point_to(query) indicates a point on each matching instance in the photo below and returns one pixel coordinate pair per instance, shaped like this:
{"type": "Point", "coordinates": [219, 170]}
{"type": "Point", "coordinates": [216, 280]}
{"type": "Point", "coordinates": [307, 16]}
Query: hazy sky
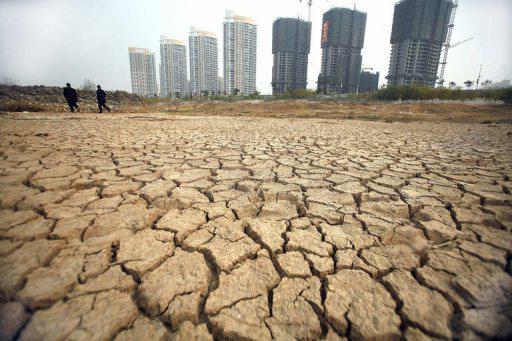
{"type": "Point", "coordinates": [52, 42]}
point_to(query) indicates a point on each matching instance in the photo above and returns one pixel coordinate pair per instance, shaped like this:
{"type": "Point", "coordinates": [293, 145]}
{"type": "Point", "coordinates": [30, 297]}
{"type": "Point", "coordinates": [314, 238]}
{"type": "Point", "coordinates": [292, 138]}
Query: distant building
{"type": "Point", "coordinates": [222, 86]}
{"type": "Point", "coordinates": [240, 37]}
{"type": "Point", "coordinates": [204, 67]}
{"type": "Point", "coordinates": [291, 39]}
{"type": "Point", "coordinates": [161, 77]}
{"type": "Point", "coordinates": [173, 77]}
{"type": "Point", "coordinates": [368, 82]}
{"type": "Point", "coordinates": [343, 32]}
{"type": "Point", "coordinates": [189, 87]}
{"type": "Point", "coordinates": [143, 71]}
{"type": "Point", "coordinates": [419, 31]}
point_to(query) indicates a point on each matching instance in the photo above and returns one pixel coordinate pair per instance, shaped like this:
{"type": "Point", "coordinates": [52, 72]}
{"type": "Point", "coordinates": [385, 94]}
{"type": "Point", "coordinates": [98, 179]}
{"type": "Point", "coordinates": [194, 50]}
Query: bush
{"type": "Point", "coordinates": [506, 96]}
{"type": "Point", "coordinates": [408, 93]}
{"type": "Point", "coordinates": [296, 94]}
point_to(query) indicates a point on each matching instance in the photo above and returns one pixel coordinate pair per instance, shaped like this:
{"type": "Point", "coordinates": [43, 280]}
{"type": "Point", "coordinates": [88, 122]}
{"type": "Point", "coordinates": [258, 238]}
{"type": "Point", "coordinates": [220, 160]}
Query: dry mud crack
{"type": "Point", "coordinates": [134, 227]}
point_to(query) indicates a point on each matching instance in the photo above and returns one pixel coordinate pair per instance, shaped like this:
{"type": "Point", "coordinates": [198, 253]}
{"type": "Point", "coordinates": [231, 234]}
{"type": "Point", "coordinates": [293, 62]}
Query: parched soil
{"type": "Point", "coordinates": [150, 226]}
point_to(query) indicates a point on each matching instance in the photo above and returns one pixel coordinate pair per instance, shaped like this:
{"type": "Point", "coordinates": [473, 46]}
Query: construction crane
{"type": "Point", "coordinates": [461, 42]}
{"type": "Point", "coordinates": [479, 76]}
{"type": "Point", "coordinates": [310, 3]}
{"type": "Point", "coordinates": [445, 56]}
{"type": "Point", "coordinates": [447, 43]}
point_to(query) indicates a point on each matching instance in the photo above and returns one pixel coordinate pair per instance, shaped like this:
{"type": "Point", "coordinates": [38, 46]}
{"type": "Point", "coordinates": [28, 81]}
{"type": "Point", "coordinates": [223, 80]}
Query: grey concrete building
{"type": "Point", "coordinates": [342, 39]}
{"type": "Point", "coordinates": [240, 40]}
{"type": "Point", "coordinates": [222, 86]}
{"type": "Point", "coordinates": [173, 65]}
{"type": "Point", "coordinates": [368, 81]}
{"type": "Point", "coordinates": [204, 66]}
{"type": "Point", "coordinates": [291, 40]}
{"type": "Point", "coordinates": [419, 31]}
{"type": "Point", "coordinates": [143, 71]}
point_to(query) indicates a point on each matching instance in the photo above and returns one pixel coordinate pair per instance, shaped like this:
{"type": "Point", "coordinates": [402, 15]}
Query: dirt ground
{"type": "Point", "coordinates": [372, 111]}
{"type": "Point", "coordinates": [154, 226]}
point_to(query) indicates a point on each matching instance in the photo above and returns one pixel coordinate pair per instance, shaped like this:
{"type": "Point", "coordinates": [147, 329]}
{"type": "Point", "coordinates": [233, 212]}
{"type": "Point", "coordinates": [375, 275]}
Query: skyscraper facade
{"type": "Point", "coordinates": [418, 33]}
{"type": "Point", "coordinates": [343, 32]}
{"type": "Point", "coordinates": [291, 40]}
{"type": "Point", "coordinates": [173, 64]}
{"type": "Point", "coordinates": [203, 62]}
{"type": "Point", "coordinates": [143, 71]}
{"type": "Point", "coordinates": [222, 86]}
{"type": "Point", "coordinates": [368, 81]}
{"type": "Point", "coordinates": [240, 37]}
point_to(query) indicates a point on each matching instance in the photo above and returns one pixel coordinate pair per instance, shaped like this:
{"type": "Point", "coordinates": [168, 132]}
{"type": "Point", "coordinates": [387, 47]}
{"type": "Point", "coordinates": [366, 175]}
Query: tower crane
{"type": "Point", "coordinates": [479, 76]}
{"type": "Point", "coordinates": [461, 42]}
{"type": "Point", "coordinates": [445, 56]}
{"type": "Point", "coordinates": [447, 43]}
{"type": "Point", "coordinates": [310, 3]}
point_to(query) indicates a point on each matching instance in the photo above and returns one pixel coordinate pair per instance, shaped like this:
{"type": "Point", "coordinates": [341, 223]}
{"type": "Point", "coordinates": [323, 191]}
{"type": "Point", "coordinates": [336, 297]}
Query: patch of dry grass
{"type": "Point", "coordinates": [378, 111]}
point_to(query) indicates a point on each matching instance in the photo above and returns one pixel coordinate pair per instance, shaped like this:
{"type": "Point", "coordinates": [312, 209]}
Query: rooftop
{"type": "Point", "coordinates": [197, 32]}
{"type": "Point", "coordinates": [170, 40]}
{"type": "Point", "coordinates": [139, 50]}
{"type": "Point", "coordinates": [231, 15]}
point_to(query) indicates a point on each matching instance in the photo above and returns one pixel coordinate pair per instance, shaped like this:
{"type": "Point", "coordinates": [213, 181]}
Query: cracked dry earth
{"type": "Point", "coordinates": [153, 227]}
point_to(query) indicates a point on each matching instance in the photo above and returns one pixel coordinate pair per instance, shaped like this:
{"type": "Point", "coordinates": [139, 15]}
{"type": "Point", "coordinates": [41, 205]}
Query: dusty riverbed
{"type": "Point", "coordinates": [143, 225]}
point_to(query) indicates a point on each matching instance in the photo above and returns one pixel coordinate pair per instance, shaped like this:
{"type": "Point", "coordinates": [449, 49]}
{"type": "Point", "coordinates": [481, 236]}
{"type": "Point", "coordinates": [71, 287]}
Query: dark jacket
{"type": "Point", "coordinates": [101, 96]}
{"type": "Point", "coordinates": [70, 94]}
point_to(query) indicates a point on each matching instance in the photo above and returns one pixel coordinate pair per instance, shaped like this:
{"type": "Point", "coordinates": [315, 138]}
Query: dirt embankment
{"type": "Point", "coordinates": [50, 98]}
{"type": "Point", "coordinates": [44, 98]}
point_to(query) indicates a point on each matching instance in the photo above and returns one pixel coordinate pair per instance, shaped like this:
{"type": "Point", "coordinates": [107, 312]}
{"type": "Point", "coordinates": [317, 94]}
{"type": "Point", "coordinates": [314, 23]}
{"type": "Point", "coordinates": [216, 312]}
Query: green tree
{"type": "Point", "coordinates": [468, 84]}
{"type": "Point", "coordinates": [486, 83]}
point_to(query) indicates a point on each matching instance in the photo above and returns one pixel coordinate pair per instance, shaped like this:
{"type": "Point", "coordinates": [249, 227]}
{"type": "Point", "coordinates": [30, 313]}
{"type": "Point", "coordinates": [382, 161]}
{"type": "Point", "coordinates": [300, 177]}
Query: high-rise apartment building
{"type": "Point", "coordinates": [222, 86]}
{"type": "Point", "coordinates": [173, 64]}
{"type": "Point", "coordinates": [419, 31]}
{"type": "Point", "coordinates": [143, 71]}
{"type": "Point", "coordinates": [368, 82]}
{"type": "Point", "coordinates": [240, 36]}
{"type": "Point", "coordinates": [342, 40]}
{"type": "Point", "coordinates": [204, 67]}
{"type": "Point", "coordinates": [291, 39]}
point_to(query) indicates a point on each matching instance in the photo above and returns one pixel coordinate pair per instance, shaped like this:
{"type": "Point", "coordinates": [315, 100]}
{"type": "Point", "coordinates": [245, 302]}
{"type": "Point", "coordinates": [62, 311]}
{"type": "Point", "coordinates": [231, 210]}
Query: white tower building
{"type": "Point", "coordinates": [143, 71]}
{"type": "Point", "coordinates": [240, 37]}
{"type": "Point", "coordinates": [204, 67]}
{"type": "Point", "coordinates": [173, 61]}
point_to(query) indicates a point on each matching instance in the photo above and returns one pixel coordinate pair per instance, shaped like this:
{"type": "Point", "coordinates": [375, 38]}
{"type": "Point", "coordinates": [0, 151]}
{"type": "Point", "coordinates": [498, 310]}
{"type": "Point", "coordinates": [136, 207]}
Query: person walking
{"type": "Point", "coordinates": [102, 99]}
{"type": "Point", "coordinates": [71, 97]}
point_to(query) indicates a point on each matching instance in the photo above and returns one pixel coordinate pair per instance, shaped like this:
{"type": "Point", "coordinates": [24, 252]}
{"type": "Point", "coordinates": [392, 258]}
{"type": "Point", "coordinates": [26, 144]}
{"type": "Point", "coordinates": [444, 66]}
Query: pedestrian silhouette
{"type": "Point", "coordinates": [102, 99]}
{"type": "Point", "coordinates": [71, 97]}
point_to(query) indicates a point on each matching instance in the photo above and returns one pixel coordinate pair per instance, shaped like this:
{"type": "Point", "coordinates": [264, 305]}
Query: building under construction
{"type": "Point", "coordinates": [368, 82]}
{"type": "Point", "coordinates": [291, 39]}
{"type": "Point", "coordinates": [342, 40]}
{"type": "Point", "coordinates": [419, 30]}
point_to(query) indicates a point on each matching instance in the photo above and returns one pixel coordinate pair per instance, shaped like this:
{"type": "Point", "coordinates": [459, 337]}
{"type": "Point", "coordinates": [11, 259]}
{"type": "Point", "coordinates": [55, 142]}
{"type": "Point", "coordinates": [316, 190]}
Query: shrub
{"type": "Point", "coordinates": [297, 94]}
{"type": "Point", "coordinates": [506, 96]}
{"type": "Point", "coordinates": [407, 93]}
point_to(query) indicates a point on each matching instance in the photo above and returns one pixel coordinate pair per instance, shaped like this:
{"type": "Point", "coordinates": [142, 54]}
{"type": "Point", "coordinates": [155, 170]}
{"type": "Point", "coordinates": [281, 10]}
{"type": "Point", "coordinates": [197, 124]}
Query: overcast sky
{"type": "Point", "coordinates": [52, 42]}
